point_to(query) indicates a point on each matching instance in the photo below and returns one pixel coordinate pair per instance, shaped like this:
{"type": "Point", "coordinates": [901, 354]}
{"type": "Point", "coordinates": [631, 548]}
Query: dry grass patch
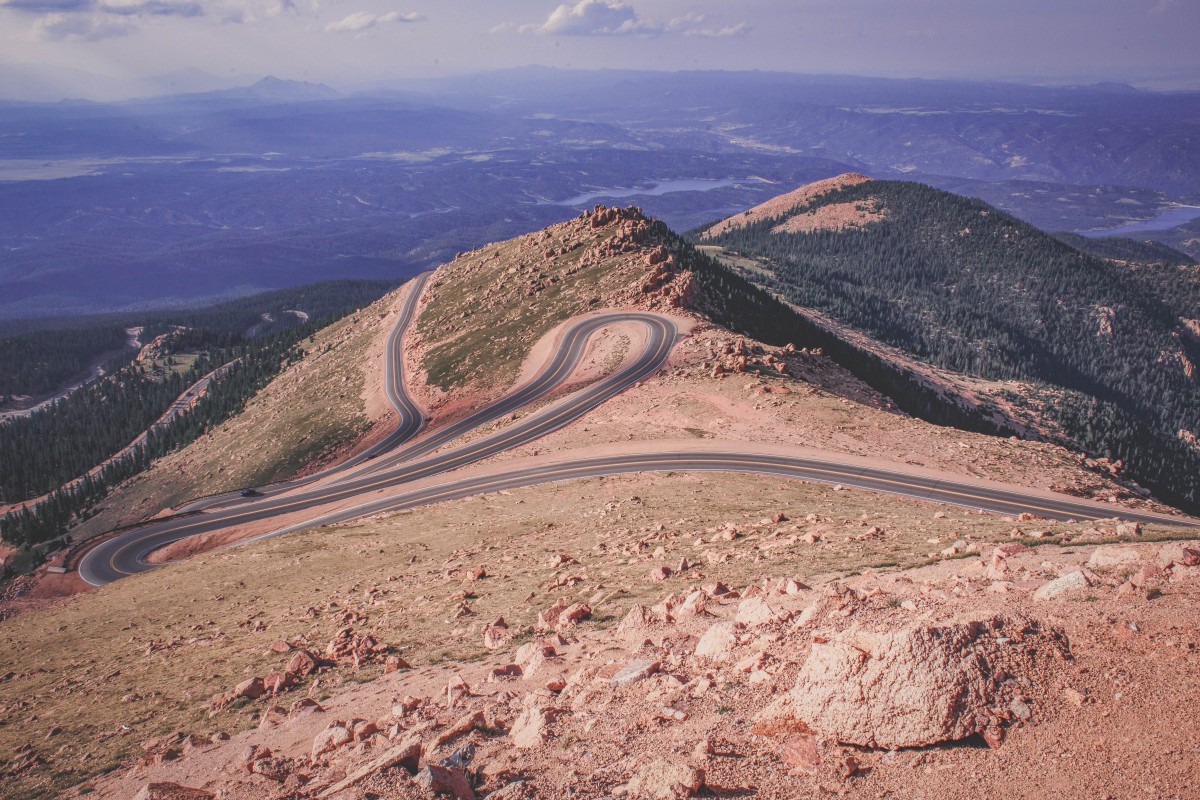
{"type": "Point", "coordinates": [302, 419]}
{"type": "Point", "coordinates": [485, 310]}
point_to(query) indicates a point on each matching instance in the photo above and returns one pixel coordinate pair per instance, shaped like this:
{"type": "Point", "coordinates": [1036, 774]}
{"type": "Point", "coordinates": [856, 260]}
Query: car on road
{"type": "Point", "coordinates": [250, 492]}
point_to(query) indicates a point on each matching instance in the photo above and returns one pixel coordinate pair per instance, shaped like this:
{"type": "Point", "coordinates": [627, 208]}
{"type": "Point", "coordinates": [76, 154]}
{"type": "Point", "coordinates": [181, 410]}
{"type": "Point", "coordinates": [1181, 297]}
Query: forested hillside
{"type": "Point", "coordinates": [38, 356]}
{"type": "Point", "coordinates": [1124, 249]}
{"type": "Point", "coordinates": [38, 363]}
{"type": "Point", "coordinates": [47, 449]}
{"type": "Point", "coordinates": [963, 286]}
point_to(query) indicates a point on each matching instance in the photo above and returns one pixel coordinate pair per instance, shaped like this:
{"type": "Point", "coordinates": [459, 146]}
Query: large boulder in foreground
{"type": "Point", "coordinates": [919, 685]}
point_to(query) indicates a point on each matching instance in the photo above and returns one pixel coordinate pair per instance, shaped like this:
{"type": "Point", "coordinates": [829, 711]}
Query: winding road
{"type": "Point", "coordinates": [410, 419]}
{"type": "Point", "coordinates": [374, 476]}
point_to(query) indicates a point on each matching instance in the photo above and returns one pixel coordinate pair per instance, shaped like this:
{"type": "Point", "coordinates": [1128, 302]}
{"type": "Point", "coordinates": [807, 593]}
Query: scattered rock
{"type": "Point", "coordinates": [276, 682]}
{"type": "Point", "coordinates": [1181, 553]}
{"type": "Point", "coordinates": [305, 705]}
{"type": "Point", "coordinates": [847, 766]}
{"type": "Point", "coordinates": [754, 612]}
{"type": "Point", "coordinates": [1072, 581]}
{"type": "Point", "coordinates": [407, 754]}
{"type": "Point", "coordinates": [660, 778]}
{"type": "Point", "coordinates": [329, 740]}
{"type": "Point", "coordinates": [717, 641]}
{"type": "Point", "coordinates": [252, 688]}
{"type": "Point", "coordinates": [507, 672]}
{"type": "Point", "coordinates": [496, 634]}
{"type": "Point", "coordinates": [1129, 529]}
{"type": "Point", "coordinates": [660, 573]}
{"type": "Point", "coordinates": [445, 781]}
{"type": "Point", "coordinates": [303, 663]}
{"type": "Point", "coordinates": [1108, 556]}
{"type": "Point", "coordinates": [993, 735]}
{"type": "Point", "coordinates": [800, 750]}
{"type": "Point", "coordinates": [532, 727]}
{"type": "Point", "coordinates": [573, 615]}
{"type": "Point", "coordinates": [1020, 709]}
{"type": "Point", "coordinates": [635, 671]}
{"type": "Point", "coordinates": [1149, 573]}
{"type": "Point", "coordinates": [636, 623]}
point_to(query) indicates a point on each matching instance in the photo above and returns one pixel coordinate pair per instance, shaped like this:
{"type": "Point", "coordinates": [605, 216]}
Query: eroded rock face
{"type": "Point", "coordinates": [913, 687]}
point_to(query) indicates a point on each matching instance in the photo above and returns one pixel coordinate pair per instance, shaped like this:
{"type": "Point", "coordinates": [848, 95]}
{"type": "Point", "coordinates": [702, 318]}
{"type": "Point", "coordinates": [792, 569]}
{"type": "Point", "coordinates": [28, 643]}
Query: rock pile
{"type": "Point", "coordinates": [345, 648]}
{"type": "Point", "coordinates": [708, 691]}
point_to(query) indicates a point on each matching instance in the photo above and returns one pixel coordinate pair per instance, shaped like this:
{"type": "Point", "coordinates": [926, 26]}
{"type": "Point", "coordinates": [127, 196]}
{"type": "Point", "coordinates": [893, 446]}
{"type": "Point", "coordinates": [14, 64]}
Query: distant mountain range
{"type": "Point", "coordinates": [273, 89]}
{"type": "Point", "coordinates": [217, 190]}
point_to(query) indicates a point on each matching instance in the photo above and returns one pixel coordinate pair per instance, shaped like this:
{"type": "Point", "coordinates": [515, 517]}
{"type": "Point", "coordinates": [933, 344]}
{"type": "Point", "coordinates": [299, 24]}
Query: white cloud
{"type": "Point", "coordinates": [363, 21]}
{"type": "Point", "coordinates": [57, 27]}
{"type": "Point", "coordinates": [697, 25]}
{"type": "Point", "coordinates": [40, 6]}
{"type": "Point", "coordinates": [124, 8]}
{"type": "Point", "coordinates": [591, 18]}
{"type": "Point", "coordinates": [616, 18]}
{"type": "Point", "coordinates": [154, 8]}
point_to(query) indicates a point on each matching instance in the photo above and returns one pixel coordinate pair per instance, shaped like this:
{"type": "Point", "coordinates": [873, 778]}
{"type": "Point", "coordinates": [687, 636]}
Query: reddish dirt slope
{"type": "Point", "coordinates": [786, 202]}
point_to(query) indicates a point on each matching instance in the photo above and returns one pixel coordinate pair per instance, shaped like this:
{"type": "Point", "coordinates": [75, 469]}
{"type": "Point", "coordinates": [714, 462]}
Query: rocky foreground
{"type": "Point", "coordinates": [1015, 671]}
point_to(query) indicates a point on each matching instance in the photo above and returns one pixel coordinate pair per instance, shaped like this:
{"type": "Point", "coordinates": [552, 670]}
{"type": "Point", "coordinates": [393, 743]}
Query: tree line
{"type": "Point", "coordinates": [44, 452]}
{"type": "Point", "coordinates": [38, 356]}
{"type": "Point", "coordinates": [964, 286]}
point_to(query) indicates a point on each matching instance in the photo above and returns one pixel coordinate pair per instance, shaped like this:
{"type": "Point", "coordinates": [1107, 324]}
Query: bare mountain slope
{"type": "Point", "coordinates": [314, 413]}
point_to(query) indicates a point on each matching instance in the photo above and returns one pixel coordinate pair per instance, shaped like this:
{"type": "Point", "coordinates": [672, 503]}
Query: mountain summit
{"type": "Point", "coordinates": [281, 90]}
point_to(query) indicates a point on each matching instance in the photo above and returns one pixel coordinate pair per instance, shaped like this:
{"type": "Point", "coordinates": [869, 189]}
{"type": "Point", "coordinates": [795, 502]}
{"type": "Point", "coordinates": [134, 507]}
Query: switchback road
{"type": "Point", "coordinates": [384, 483]}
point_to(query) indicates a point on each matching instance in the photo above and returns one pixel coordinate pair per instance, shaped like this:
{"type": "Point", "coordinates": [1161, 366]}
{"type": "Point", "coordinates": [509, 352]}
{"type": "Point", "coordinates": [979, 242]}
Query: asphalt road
{"type": "Point", "coordinates": [411, 421]}
{"type": "Point", "coordinates": [125, 553]}
{"type": "Point", "coordinates": [939, 490]}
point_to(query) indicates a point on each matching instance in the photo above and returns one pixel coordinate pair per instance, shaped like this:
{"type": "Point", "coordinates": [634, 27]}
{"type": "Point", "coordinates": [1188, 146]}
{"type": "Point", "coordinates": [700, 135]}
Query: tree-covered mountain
{"type": "Point", "coordinates": [51, 446]}
{"type": "Point", "coordinates": [1121, 248]}
{"type": "Point", "coordinates": [42, 354]}
{"type": "Point", "coordinates": [963, 286]}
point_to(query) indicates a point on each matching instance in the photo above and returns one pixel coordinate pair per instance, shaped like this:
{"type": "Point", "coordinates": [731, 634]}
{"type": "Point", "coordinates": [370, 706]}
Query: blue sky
{"type": "Point", "coordinates": [345, 42]}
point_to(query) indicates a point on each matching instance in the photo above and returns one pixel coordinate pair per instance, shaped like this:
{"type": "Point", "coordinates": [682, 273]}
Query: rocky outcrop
{"type": "Point", "coordinates": [1071, 582]}
{"type": "Point", "coordinates": [917, 686]}
{"type": "Point", "coordinates": [660, 778]}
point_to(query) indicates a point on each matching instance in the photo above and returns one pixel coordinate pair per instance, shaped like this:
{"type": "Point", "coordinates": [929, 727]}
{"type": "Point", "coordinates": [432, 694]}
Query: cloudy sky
{"type": "Point", "coordinates": [344, 42]}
